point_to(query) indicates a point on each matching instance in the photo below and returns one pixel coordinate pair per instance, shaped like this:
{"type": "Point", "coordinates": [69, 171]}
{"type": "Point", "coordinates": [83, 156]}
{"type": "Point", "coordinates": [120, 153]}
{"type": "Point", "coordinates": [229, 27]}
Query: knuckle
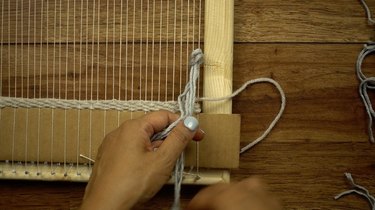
{"type": "Point", "coordinates": [146, 126]}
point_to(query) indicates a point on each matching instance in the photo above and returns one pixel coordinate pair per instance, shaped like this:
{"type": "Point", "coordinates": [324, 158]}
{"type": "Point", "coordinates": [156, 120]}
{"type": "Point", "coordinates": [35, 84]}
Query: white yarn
{"type": "Point", "coordinates": [275, 120]}
{"type": "Point", "coordinates": [186, 101]}
{"type": "Point", "coordinates": [357, 189]}
{"type": "Point", "coordinates": [114, 104]}
{"type": "Point", "coordinates": [368, 12]}
{"type": "Point", "coordinates": [366, 83]}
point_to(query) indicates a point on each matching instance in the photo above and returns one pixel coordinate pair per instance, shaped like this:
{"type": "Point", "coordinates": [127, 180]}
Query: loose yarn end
{"type": "Point", "coordinates": [357, 189]}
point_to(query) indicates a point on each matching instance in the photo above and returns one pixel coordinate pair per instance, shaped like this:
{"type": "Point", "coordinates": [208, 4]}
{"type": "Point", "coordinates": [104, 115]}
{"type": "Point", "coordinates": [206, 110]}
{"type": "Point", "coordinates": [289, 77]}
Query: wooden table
{"type": "Point", "coordinates": [310, 48]}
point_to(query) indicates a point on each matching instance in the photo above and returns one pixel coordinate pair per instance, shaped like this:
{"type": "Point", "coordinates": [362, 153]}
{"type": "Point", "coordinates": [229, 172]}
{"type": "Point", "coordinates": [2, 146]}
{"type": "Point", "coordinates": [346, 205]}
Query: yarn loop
{"type": "Point", "coordinates": [366, 83]}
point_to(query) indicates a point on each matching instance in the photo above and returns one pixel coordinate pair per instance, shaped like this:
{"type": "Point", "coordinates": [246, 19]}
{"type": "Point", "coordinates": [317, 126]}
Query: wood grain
{"type": "Point", "coordinates": [254, 21]}
{"type": "Point", "coordinates": [104, 71]}
{"type": "Point", "coordinates": [310, 48]}
{"type": "Point", "coordinates": [69, 21]}
{"type": "Point", "coordinates": [301, 21]}
{"type": "Point", "coordinates": [218, 39]}
{"type": "Point", "coordinates": [319, 80]}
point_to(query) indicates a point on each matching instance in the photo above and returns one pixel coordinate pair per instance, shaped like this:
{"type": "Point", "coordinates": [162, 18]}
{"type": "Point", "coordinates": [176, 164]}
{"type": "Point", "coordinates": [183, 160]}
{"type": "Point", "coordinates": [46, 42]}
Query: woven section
{"type": "Point", "coordinates": [134, 105]}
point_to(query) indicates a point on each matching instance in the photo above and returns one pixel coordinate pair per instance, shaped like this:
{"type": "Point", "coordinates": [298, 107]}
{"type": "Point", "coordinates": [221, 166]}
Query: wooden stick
{"type": "Point", "coordinates": [218, 51]}
{"type": "Point", "coordinates": [205, 177]}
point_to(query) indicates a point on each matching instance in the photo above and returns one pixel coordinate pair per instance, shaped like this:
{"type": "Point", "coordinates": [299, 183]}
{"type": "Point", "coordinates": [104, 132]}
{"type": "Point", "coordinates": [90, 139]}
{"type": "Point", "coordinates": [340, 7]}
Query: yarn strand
{"type": "Point", "coordinates": [186, 101]}
{"type": "Point", "coordinates": [365, 84]}
{"type": "Point", "coordinates": [242, 88]}
{"type": "Point", "coordinates": [368, 12]}
{"type": "Point", "coordinates": [357, 189]}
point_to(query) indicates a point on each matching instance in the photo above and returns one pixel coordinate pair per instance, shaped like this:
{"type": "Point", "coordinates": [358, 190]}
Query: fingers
{"type": "Point", "coordinates": [156, 144]}
{"type": "Point", "coordinates": [199, 135]}
{"type": "Point", "coordinates": [156, 121]}
{"type": "Point", "coordinates": [248, 194]}
{"type": "Point", "coordinates": [178, 138]}
{"type": "Point", "coordinates": [203, 200]}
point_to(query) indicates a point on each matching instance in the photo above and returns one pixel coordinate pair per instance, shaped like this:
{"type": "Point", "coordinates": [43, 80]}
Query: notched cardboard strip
{"type": "Point", "coordinates": [33, 127]}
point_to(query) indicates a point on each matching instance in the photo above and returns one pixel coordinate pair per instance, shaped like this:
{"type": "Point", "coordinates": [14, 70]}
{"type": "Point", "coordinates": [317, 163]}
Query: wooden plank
{"type": "Point", "coordinates": [140, 21]}
{"type": "Point", "coordinates": [218, 41]}
{"type": "Point", "coordinates": [302, 21]}
{"type": "Point", "coordinates": [321, 87]}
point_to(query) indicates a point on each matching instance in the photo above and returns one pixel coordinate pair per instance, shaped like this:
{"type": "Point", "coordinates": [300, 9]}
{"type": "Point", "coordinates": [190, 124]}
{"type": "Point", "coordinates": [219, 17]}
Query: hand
{"type": "Point", "coordinates": [129, 168]}
{"type": "Point", "coordinates": [249, 194]}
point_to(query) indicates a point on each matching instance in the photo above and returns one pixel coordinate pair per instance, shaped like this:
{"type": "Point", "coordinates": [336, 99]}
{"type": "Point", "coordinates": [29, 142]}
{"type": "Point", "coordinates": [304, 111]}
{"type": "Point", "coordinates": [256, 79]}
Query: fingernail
{"type": "Point", "coordinates": [191, 123]}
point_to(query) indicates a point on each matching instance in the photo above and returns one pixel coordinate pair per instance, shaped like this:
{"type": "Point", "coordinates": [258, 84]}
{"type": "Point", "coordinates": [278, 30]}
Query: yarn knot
{"type": "Point", "coordinates": [196, 57]}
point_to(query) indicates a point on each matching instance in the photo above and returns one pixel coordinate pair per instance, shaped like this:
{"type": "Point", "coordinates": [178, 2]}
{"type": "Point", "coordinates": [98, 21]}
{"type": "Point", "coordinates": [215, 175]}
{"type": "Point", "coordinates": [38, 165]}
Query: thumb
{"type": "Point", "coordinates": [178, 138]}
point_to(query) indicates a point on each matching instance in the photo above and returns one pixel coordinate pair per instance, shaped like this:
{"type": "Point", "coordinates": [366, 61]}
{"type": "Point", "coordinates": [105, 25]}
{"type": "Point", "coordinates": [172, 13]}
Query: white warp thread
{"type": "Point", "coordinates": [114, 104]}
{"type": "Point", "coordinates": [357, 189]}
{"type": "Point", "coordinates": [366, 83]}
